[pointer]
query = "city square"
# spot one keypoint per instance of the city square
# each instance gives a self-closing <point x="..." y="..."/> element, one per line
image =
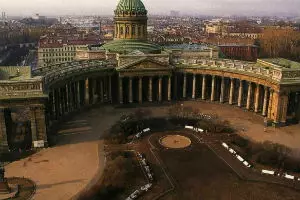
<point x="58" y="117"/>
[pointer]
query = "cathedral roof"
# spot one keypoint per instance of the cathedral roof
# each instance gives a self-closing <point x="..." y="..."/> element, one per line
<point x="131" y="6"/>
<point x="131" y="46"/>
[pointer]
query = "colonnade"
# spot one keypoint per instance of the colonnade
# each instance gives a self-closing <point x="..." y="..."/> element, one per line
<point x="75" y="94"/>
<point x="245" y="94"/>
<point x="147" y="88"/>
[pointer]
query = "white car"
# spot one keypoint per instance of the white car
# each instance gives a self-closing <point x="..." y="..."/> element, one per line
<point x="146" y="187"/>
<point x="135" y="194"/>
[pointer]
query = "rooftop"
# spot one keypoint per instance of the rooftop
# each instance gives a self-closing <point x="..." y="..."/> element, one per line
<point x="127" y="46"/>
<point x="131" y="6"/>
<point x="188" y="46"/>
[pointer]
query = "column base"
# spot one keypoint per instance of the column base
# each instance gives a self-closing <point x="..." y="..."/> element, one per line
<point x="276" y="124"/>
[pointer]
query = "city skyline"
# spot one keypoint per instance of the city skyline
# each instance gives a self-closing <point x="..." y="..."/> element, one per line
<point x="192" y="7"/>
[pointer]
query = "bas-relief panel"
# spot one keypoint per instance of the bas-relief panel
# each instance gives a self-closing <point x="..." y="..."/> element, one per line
<point x="18" y="87"/>
<point x="291" y="74"/>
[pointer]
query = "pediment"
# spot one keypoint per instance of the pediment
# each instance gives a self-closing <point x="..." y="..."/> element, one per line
<point x="145" y="64"/>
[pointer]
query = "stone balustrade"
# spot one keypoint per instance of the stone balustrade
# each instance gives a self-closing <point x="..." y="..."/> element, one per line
<point x="74" y="64"/>
<point x="274" y="72"/>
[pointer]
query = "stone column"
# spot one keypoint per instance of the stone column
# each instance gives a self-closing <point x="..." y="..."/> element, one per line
<point x="78" y="94"/>
<point x="130" y="90"/>
<point x="270" y="104"/>
<point x="276" y="104"/>
<point x="159" y="89"/>
<point x="256" y="102"/>
<point x="175" y="86"/>
<point x="249" y="96"/>
<point x="194" y="87"/>
<point x="222" y="90"/>
<point x="61" y="102"/>
<point x="57" y="103"/>
<point x="3" y="134"/>
<point x="94" y="90"/>
<point x="71" y="104"/>
<point x="54" y="111"/>
<point x="184" y="86"/>
<point x="38" y="124"/>
<point x="87" y="92"/>
<point x="169" y="88"/>
<point x="284" y="104"/>
<point x="240" y="98"/>
<point x="109" y="89"/>
<point x="213" y="85"/>
<point x="140" y="89"/>
<point x="264" y="112"/>
<point x="33" y="124"/>
<point x="231" y="92"/>
<point x="67" y="100"/>
<point x="101" y="91"/>
<point x="121" y="90"/>
<point x="150" y="89"/>
<point x="203" y="86"/>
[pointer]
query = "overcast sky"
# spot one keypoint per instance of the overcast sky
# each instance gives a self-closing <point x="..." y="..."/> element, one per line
<point x="106" y="7"/>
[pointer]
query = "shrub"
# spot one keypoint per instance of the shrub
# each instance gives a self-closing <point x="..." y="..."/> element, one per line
<point x="240" y="141"/>
<point x="292" y="165"/>
<point x="268" y="158"/>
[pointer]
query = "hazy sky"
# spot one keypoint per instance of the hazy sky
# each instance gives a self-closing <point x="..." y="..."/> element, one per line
<point x="106" y="7"/>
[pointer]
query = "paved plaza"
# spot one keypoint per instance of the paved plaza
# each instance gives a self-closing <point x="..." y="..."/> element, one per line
<point x="64" y="170"/>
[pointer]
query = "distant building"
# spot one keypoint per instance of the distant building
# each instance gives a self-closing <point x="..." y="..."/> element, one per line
<point x="60" y="45"/>
<point x="240" y="52"/>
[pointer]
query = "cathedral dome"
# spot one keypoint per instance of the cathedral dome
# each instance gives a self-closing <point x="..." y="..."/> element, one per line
<point x="135" y="7"/>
